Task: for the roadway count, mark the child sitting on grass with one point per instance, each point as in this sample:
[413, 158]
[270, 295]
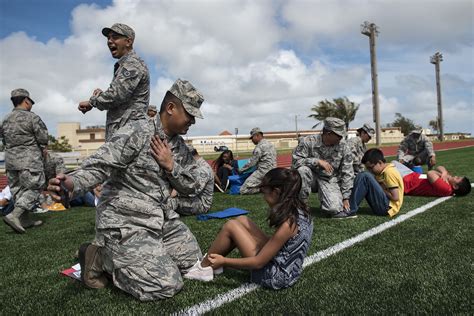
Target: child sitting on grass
[275, 261]
[384, 192]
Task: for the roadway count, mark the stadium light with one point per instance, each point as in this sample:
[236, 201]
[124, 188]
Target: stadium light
[371, 30]
[436, 59]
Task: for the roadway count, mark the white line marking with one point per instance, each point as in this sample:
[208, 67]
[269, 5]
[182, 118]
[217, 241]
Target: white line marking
[246, 288]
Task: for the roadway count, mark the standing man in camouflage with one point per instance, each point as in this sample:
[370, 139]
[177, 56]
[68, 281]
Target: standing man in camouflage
[415, 150]
[128, 95]
[358, 146]
[325, 164]
[263, 158]
[146, 248]
[25, 137]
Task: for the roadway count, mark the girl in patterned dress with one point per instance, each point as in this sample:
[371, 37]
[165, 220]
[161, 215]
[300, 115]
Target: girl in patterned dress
[275, 261]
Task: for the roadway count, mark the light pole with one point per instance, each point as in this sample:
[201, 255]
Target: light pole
[236, 141]
[436, 59]
[371, 30]
[296, 125]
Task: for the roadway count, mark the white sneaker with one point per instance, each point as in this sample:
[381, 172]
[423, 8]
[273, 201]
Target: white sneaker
[218, 187]
[216, 271]
[198, 272]
[40, 210]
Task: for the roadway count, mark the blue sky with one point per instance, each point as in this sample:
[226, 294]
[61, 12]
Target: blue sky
[42, 19]
[258, 63]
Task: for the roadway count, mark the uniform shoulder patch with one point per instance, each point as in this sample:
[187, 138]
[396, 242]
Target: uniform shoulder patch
[128, 73]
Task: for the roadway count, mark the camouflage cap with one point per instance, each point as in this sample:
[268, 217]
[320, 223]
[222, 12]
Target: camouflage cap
[368, 129]
[335, 125]
[21, 93]
[152, 108]
[254, 131]
[191, 98]
[121, 29]
[417, 131]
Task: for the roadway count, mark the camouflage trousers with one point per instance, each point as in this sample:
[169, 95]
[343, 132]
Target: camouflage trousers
[422, 158]
[148, 264]
[25, 186]
[252, 183]
[328, 189]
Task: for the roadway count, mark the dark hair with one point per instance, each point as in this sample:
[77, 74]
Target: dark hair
[373, 155]
[169, 97]
[17, 100]
[219, 162]
[289, 183]
[464, 187]
[194, 152]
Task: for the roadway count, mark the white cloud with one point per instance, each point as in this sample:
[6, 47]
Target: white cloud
[258, 63]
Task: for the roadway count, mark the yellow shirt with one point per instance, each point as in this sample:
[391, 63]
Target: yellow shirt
[391, 179]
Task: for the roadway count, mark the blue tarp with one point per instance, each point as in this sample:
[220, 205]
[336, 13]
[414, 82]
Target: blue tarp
[229, 212]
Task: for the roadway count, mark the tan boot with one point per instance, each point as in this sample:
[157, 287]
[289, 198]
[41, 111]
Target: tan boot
[26, 221]
[92, 273]
[13, 220]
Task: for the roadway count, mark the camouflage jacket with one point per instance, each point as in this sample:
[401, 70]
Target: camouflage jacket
[358, 149]
[25, 136]
[127, 96]
[201, 202]
[136, 189]
[311, 149]
[53, 165]
[263, 157]
[412, 145]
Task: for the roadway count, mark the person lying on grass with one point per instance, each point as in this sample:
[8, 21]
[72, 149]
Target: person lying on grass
[382, 187]
[275, 261]
[437, 182]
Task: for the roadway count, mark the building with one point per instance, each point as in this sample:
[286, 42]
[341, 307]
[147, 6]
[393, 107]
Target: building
[281, 140]
[85, 141]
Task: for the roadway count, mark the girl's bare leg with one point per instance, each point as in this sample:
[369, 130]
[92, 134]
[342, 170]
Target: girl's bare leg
[240, 233]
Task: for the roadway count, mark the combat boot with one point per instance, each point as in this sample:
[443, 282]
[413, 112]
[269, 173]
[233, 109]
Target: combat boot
[13, 220]
[91, 261]
[26, 221]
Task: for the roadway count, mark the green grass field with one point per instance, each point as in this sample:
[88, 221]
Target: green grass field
[423, 265]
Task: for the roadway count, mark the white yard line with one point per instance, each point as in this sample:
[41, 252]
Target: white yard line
[246, 288]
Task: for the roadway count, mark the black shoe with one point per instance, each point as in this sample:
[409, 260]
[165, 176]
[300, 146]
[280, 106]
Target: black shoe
[344, 215]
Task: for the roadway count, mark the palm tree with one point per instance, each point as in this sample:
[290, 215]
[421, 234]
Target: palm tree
[341, 108]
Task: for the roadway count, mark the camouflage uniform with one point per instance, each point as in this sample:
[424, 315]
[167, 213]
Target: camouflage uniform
[413, 147]
[332, 188]
[201, 202]
[128, 96]
[358, 149]
[25, 136]
[53, 165]
[146, 246]
[264, 158]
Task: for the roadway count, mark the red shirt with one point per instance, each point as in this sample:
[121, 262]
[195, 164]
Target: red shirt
[422, 187]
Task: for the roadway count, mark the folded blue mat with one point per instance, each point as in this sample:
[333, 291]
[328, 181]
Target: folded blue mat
[229, 212]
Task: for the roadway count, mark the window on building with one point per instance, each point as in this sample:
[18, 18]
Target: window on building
[92, 136]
